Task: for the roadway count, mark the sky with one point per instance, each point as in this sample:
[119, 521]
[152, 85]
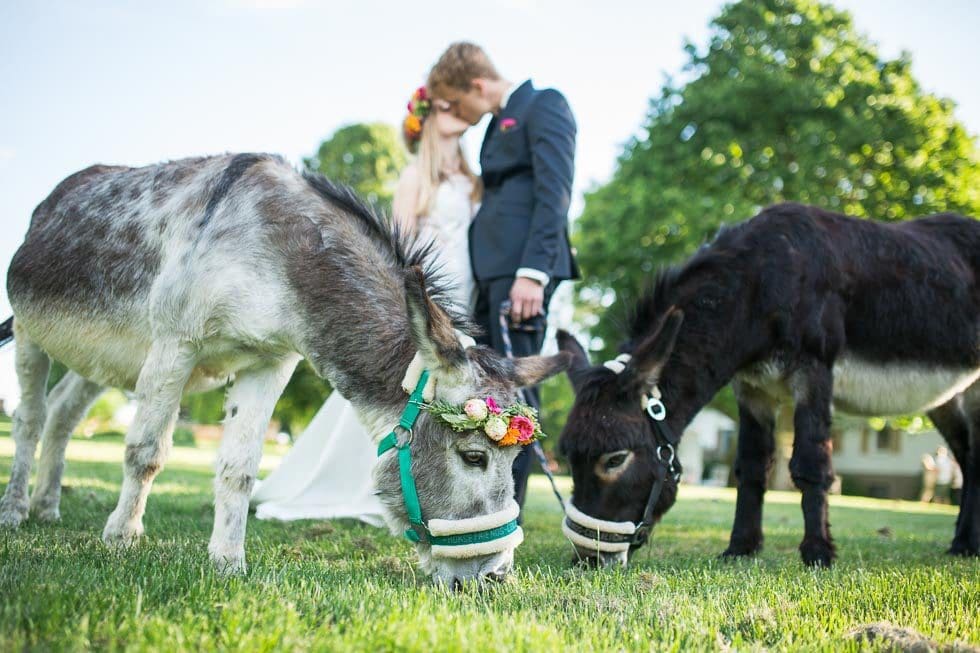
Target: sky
[90, 81]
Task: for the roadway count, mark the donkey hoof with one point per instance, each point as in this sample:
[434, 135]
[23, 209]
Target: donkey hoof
[818, 553]
[734, 553]
[45, 511]
[229, 564]
[47, 515]
[963, 549]
[741, 550]
[121, 536]
[11, 517]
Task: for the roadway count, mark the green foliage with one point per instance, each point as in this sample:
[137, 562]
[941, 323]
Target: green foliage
[184, 437]
[106, 406]
[345, 586]
[366, 157]
[204, 407]
[788, 102]
[303, 396]
[556, 400]
[55, 374]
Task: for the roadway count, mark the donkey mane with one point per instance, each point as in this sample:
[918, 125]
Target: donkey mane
[406, 249]
[661, 293]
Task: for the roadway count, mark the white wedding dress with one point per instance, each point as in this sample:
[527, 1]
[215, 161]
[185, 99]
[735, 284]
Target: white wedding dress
[327, 473]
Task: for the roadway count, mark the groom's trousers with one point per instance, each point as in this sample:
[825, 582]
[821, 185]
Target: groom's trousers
[526, 339]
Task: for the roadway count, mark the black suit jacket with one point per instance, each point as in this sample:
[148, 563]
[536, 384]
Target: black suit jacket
[527, 161]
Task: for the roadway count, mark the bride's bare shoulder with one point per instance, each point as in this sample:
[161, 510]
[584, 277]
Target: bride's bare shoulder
[405, 202]
[410, 174]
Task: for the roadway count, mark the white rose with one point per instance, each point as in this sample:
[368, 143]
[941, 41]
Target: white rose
[495, 428]
[475, 409]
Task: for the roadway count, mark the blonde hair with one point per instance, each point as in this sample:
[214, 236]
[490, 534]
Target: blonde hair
[459, 65]
[429, 164]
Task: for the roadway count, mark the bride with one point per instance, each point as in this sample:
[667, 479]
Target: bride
[327, 473]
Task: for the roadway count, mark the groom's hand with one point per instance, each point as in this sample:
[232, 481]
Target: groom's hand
[526, 299]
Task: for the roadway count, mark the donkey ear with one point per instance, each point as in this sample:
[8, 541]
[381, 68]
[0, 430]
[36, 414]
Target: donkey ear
[580, 359]
[531, 370]
[652, 353]
[432, 327]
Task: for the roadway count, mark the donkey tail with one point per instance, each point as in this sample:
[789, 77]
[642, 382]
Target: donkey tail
[6, 331]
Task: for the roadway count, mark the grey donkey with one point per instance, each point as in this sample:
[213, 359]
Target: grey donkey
[199, 273]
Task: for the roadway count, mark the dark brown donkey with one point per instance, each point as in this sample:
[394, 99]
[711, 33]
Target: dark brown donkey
[795, 306]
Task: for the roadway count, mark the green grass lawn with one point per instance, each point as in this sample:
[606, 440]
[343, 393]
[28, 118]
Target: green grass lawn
[343, 585]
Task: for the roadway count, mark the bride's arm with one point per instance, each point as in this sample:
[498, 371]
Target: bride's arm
[406, 199]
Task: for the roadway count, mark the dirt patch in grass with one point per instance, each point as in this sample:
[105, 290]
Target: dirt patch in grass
[906, 640]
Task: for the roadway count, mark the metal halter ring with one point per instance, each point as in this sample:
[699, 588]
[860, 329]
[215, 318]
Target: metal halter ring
[669, 463]
[408, 440]
[656, 409]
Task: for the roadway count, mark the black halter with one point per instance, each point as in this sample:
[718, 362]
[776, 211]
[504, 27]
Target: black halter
[667, 442]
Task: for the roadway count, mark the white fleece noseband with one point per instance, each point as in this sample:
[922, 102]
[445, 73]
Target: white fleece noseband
[444, 527]
[599, 526]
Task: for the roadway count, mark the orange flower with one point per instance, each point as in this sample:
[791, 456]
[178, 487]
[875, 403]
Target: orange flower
[510, 438]
[413, 125]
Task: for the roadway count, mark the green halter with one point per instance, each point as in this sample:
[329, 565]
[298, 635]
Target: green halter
[419, 532]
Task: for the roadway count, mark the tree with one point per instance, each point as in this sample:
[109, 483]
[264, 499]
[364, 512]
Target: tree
[787, 102]
[367, 157]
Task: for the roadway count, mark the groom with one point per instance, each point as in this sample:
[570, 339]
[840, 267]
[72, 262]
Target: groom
[519, 238]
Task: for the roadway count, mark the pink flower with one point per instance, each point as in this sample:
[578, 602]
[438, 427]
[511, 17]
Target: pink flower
[411, 107]
[507, 124]
[421, 93]
[475, 409]
[492, 406]
[524, 426]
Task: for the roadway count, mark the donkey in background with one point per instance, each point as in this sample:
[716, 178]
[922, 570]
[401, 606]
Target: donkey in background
[193, 274]
[795, 306]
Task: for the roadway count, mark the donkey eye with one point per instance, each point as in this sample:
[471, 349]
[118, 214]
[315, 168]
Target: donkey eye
[615, 459]
[707, 302]
[474, 458]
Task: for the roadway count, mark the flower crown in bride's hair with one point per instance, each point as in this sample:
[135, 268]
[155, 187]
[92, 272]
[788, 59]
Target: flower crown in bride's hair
[419, 108]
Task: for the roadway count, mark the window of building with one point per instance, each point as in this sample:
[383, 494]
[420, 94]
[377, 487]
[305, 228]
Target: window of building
[888, 440]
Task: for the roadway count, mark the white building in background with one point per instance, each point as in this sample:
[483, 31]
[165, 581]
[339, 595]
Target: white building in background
[708, 442]
[886, 464]
[883, 463]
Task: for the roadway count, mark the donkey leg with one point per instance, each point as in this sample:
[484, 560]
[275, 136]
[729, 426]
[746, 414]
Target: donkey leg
[753, 459]
[966, 541]
[248, 409]
[811, 466]
[32, 373]
[68, 403]
[158, 389]
[951, 421]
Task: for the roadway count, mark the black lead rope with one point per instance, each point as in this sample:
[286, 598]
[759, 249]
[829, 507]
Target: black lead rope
[535, 446]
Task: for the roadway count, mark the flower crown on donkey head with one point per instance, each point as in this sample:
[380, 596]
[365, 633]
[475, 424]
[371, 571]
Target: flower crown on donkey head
[505, 426]
[419, 107]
